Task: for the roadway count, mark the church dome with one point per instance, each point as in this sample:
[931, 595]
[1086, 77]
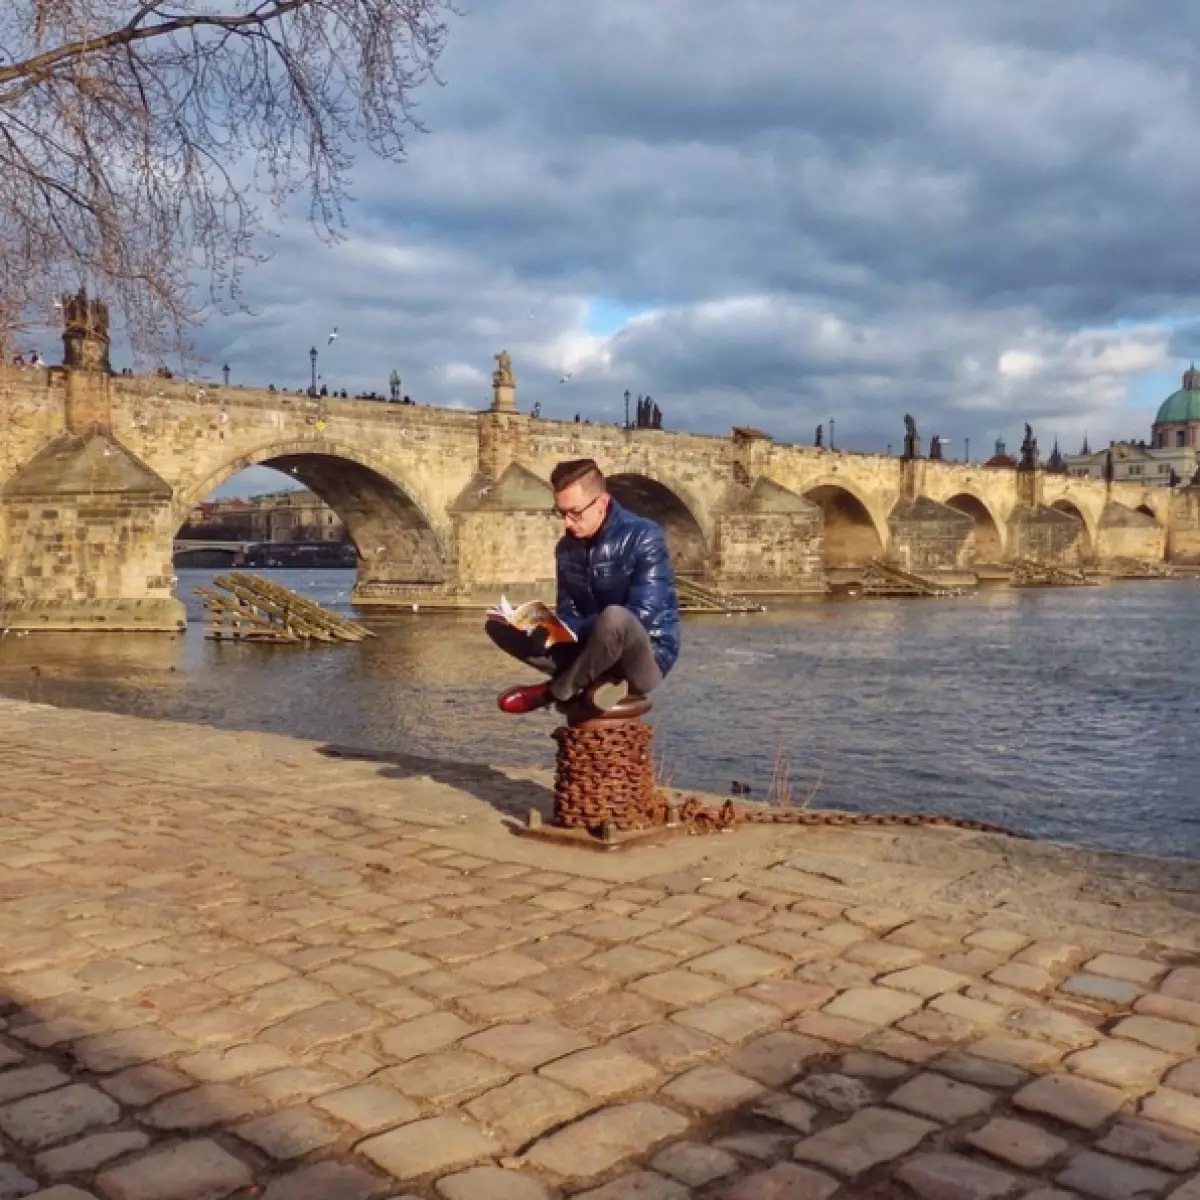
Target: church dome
[1183, 405]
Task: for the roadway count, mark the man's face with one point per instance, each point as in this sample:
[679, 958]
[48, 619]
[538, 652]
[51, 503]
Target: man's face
[582, 507]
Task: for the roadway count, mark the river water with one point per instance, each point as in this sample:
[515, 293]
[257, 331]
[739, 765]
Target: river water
[1070, 714]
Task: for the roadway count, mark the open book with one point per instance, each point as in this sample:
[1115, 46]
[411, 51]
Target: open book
[531, 616]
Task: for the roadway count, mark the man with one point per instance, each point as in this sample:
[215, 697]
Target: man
[616, 593]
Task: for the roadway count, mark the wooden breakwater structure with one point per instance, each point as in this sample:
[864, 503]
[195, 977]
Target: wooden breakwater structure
[248, 608]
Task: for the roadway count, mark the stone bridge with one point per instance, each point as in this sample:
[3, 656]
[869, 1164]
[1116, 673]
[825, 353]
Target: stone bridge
[447, 506]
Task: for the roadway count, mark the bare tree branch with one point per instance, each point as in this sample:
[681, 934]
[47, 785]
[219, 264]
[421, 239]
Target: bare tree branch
[139, 139]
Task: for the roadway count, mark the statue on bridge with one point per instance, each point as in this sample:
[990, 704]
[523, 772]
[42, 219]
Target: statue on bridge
[912, 441]
[819, 440]
[935, 448]
[502, 376]
[395, 384]
[1029, 450]
[85, 333]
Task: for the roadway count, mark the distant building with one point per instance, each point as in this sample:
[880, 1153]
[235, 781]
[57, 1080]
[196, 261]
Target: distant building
[1177, 424]
[1001, 458]
[292, 516]
[1135, 462]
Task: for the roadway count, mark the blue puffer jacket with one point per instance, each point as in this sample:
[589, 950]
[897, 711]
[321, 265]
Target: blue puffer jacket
[625, 562]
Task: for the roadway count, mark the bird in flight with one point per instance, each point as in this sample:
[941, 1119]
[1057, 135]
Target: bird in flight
[332, 335]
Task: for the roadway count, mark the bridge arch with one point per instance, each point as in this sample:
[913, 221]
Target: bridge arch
[988, 537]
[663, 503]
[392, 532]
[1064, 504]
[853, 534]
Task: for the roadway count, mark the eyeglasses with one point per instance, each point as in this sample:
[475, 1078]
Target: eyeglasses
[573, 514]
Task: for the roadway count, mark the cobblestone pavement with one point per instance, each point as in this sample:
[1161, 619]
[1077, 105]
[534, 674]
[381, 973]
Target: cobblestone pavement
[232, 965]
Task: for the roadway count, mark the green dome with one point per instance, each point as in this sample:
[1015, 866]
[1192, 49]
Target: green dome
[1183, 405]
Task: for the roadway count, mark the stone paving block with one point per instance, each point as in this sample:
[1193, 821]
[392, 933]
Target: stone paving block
[61, 1191]
[1075, 1101]
[1123, 966]
[323, 1025]
[883, 956]
[953, 1177]
[866, 1064]
[873, 1005]
[295, 1083]
[894, 1043]
[740, 966]
[1023, 977]
[937, 1027]
[980, 1013]
[732, 1018]
[369, 1106]
[1183, 984]
[627, 962]
[106, 1052]
[50, 1117]
[197, 1170]
[288, 1134]
[617, 929]
[1173, 1037]
[1002, 941]
[28, 1081]
[221, 1026]
[787, 943]
[711, 1089]
[526, 1046]
[327, 1181]
[790, 996]
[1101, 987]
[1122, 1063]
[925, 981]
[1054, 1026]
[492, 1183]
[1109, 1178]
[445, 1078]
[602, 1072]
[641, 1185]
[1185, 1077]
[839, 934]
[985, 1072]
[210, 1104]
[601, 1141]
[559, 949]
[216, 1066]
[562, 985]
[426, 1147]
[1156, 1005]
[526, 1107]
[840, 1030]
[787, 1110]
[1017, 1052]
[89, 1153]
[784, 1181]
[870, 1137]
[610, 1015]
[1017, 1142]
[1172, 1107]
[676, 943]
[836, 973]
[139, 1086]
[398, 964]
[776, 1059]
[679, 989]
[1148, 1142]
[842, 1093]
[423, 1035]
[946, 1100]
[503, 1005]
[501, 969]
[670, 1047]
[765, 1146]
[1050, 955]
[693, 1163]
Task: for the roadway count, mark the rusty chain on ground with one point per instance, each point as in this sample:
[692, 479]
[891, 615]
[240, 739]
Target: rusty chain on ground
[605, 776]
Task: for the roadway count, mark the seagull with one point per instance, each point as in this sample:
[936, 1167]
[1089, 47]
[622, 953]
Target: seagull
[332, 335]
[565, 377]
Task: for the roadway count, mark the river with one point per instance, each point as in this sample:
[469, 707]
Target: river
[1069, 714]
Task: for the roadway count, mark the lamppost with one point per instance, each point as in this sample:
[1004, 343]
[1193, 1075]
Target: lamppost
[312, 355]
[225, 372]
[831, 428]
[967, 449]
[626, 408]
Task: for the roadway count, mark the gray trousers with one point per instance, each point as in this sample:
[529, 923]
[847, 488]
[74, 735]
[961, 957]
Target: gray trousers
[618, 647]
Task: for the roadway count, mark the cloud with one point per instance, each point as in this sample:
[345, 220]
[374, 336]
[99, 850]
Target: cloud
[775, 213]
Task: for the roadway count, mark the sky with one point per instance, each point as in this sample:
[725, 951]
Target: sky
[777, 213]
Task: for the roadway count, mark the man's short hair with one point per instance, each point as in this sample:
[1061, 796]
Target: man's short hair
[575, 470]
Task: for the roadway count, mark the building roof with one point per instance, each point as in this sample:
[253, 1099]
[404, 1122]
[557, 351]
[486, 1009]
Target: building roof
[1183, 405]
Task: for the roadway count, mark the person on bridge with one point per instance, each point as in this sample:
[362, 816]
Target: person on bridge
[616, 593]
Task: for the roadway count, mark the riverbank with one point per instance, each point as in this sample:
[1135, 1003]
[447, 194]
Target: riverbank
[232, 960]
